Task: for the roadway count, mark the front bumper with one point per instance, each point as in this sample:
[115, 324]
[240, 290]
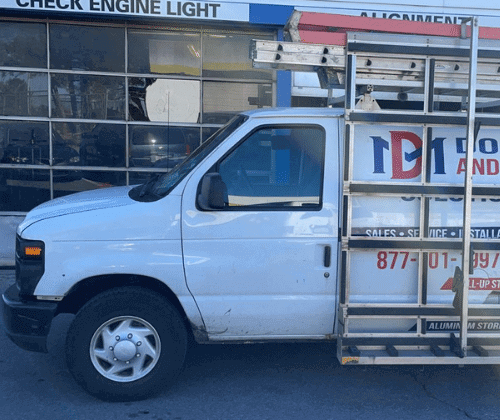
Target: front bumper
[27, 323]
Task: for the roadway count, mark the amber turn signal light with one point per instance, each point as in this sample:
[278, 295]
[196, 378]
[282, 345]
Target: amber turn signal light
[33, 251]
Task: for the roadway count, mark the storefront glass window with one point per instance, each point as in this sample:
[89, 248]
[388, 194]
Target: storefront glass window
[94, 97]
[23, 144]
[227, 56]
[91, 48]
[23, 94]
[206, 132]
[153, 146]
[113, 105]
[23, 189]
[23, 44]
[221, 100]
[98, 144]
[164, 100]
[168, 53]
[77, 181]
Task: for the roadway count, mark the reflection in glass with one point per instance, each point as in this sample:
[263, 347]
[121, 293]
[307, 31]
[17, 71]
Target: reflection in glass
[161, 146]
[89, 180]
[95, 97]
[164, 53]
[446, 218]
[165, 183]
[385, 216]
[165, 100]
[222, 100]
[227, 56]
[87, 48]
[398, 286]
[95, 144]
[23, 189]
[24, 143]
[23, 44]
[23, 94]
[206, 132]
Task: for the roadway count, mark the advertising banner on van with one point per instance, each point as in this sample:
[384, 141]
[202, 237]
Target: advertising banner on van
[390, 154]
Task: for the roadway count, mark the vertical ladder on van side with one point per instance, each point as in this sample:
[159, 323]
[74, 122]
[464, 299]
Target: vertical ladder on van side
[396, 313]
[406, 294]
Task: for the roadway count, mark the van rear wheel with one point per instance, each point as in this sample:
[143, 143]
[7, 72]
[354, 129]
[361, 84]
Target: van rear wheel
[126, 344]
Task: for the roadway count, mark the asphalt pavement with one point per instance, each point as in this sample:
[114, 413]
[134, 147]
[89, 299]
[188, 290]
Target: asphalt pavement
[7, 276]
[294, 381]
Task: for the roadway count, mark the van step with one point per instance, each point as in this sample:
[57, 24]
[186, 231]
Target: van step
[424, 355]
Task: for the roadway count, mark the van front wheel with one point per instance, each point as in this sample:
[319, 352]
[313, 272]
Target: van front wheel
[126, 344]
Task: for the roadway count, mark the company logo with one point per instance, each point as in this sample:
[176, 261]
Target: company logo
[404, 150]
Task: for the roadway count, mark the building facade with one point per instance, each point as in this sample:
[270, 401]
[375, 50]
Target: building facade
[99, 93]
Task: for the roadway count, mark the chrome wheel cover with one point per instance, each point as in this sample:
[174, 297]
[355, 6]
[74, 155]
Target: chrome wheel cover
[125, 348]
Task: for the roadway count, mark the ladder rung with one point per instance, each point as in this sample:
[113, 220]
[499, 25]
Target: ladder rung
[437, 351]
[374, 310]
[353, 351]
[391, 351]
[480, 351]
[426, 340]
[421, 355]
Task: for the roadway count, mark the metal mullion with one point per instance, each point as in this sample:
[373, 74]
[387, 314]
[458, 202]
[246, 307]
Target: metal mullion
[112, 169]
[127, 108]
[244, 81]
[347, 278]
[88, 72]
[23, 118]
[347, 213]
[429, 85]
[85, 121]
[350, 82]
[423, 260]
[349, 155]
[24, 69]
[164, 76]
[22, 166]
[16, 19]
[200, 77]
[87, 23]
[49, 108]
[166, 124]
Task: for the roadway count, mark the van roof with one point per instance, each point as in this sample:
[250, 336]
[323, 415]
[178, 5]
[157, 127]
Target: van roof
[295, 112]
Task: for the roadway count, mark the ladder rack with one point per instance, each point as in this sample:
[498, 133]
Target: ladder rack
[391, 63]
[442, 89]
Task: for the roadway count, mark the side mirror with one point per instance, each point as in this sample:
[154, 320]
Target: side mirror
[213, 194]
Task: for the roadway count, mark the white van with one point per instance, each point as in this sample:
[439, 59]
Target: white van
[287, 224]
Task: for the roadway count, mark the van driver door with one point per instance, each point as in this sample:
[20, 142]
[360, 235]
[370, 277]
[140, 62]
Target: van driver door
[265, 264]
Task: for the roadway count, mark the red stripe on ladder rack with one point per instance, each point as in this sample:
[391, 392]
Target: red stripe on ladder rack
[324, 28]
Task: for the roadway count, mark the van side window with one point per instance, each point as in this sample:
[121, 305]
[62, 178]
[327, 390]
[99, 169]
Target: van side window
[276, 167]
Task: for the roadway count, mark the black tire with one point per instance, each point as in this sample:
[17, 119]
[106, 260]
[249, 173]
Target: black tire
[126, 344]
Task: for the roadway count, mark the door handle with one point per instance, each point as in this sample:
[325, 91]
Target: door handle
[327, 256]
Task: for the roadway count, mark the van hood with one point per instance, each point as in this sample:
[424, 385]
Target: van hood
[78, 203]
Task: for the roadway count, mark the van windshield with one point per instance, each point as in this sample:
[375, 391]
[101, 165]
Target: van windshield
[160, 185]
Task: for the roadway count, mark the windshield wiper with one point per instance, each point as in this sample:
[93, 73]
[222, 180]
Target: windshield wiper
[146, 188]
